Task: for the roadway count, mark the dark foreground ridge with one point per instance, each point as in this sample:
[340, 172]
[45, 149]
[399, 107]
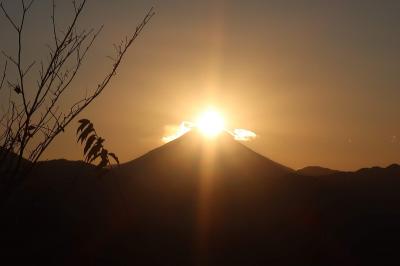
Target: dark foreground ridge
[198, 202]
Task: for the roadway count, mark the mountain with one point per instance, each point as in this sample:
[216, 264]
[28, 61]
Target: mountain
[193, 155]
[214, 194]
[316, 171]
[196, 201]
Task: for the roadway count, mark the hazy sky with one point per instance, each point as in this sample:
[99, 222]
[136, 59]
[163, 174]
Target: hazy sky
[318, 81]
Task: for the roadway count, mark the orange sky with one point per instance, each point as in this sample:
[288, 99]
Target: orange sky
[318, 81]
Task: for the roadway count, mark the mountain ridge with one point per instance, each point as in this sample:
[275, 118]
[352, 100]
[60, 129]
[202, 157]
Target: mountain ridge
[196, 201]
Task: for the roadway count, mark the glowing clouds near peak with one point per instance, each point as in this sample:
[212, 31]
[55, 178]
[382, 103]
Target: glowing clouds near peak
[174, 132]
[243, 134]
[210, 124]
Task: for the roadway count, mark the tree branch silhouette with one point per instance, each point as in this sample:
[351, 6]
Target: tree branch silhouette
[33, 116]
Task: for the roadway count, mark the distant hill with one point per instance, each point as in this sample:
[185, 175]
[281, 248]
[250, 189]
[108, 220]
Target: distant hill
[316, 171]
[200, 202]
[9, 161]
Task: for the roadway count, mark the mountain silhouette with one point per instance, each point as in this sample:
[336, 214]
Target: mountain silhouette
[199, 201]
[193, 153]
[316, 171]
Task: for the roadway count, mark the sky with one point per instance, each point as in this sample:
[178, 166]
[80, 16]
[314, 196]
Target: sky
[317, 81]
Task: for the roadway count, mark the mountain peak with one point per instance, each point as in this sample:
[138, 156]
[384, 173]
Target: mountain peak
[195, 135]
[193, 150]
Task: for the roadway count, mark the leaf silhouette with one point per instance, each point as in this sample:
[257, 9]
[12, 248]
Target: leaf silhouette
[83, 124]
[86, 132]
[95, 156]
[80, 128]
[89, 143]
[93, 148]
[102, 163]
[114, 157]
[104, 155]
[84, 121]
[94, 152]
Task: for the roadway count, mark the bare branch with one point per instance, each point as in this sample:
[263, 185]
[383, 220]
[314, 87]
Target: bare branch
[8, 17]
[53, 22]
[4, 75]
[56, 54]
[31, 121]
[79, 106]
[10, 58]
[28, 68]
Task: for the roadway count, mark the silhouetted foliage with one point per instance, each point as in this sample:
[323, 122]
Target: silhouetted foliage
[37, 112]
[93, 145]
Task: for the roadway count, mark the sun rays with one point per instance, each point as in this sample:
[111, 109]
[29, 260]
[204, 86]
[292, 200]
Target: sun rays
[210, 123]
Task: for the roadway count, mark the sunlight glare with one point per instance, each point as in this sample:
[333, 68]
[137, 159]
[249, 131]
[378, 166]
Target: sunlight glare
[210, 123]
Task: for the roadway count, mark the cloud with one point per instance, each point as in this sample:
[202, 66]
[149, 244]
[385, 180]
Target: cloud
[172, 132]
[243, 134]
[175, 131]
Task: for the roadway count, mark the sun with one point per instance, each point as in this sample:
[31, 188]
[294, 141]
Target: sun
[210, 123]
